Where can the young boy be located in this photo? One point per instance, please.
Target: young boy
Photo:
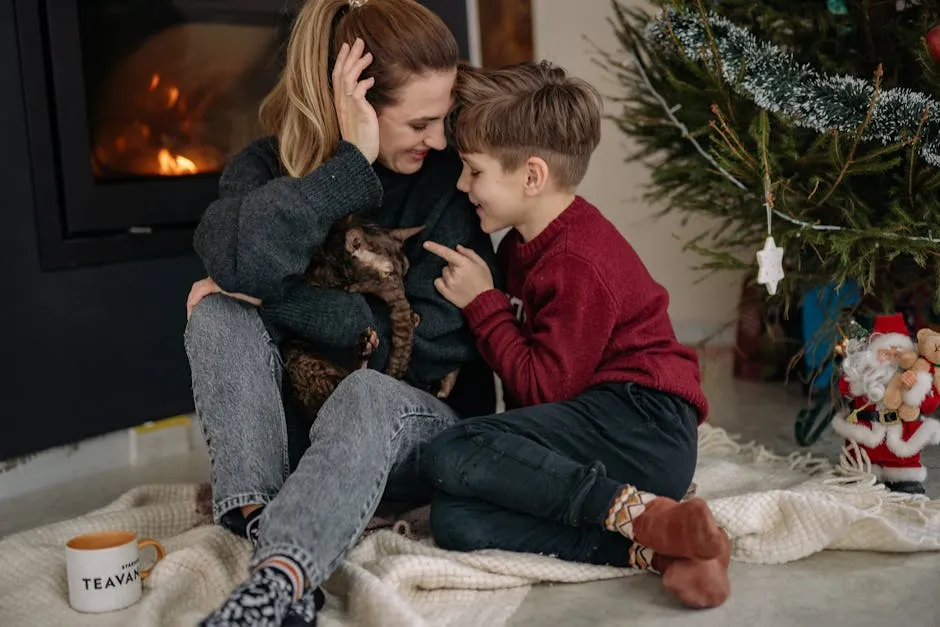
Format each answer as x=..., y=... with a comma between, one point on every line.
x=600, y=439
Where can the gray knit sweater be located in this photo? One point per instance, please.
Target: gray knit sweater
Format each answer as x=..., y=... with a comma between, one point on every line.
x=258, y=238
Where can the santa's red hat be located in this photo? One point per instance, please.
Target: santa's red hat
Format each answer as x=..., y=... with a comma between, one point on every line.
x=891, y=332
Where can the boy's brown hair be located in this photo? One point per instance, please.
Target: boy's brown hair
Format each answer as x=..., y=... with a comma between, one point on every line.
x=525, y=110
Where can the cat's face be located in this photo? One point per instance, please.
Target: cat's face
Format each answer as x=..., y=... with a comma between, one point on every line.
x=379, y=252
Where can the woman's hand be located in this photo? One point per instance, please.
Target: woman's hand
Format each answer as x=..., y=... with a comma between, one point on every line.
x=206, y=286
x=358, y=122
x=465, y=276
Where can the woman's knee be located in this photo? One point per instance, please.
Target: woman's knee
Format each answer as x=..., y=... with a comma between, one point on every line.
x=359, y=389
x=379, y=395
x=365, y=402
x=366, y=381
x=219, y=320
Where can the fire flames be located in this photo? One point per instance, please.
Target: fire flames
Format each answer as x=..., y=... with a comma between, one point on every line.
x=171, y=164
x=154, y=137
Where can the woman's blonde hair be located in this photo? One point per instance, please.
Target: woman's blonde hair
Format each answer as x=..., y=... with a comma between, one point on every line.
x=405, y=39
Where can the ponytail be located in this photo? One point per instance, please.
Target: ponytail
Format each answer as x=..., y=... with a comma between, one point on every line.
x=299, y=111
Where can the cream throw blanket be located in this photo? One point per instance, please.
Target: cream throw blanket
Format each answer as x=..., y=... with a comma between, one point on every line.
x=776, y=509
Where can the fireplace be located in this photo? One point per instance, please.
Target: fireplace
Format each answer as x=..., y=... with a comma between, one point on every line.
x=134, y=107
x=96, y=270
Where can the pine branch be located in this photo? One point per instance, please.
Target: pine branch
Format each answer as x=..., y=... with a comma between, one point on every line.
x=858, y=136
x=913, y=159
x=777, y=82
x=864, y=232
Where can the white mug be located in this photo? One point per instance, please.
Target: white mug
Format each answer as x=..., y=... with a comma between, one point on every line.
x=103, y=570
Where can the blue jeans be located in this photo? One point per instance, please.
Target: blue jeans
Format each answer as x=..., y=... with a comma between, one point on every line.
x=366, y=441
x=540, y=479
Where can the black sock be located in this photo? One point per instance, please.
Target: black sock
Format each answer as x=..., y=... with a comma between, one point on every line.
x=243, y=525
x=252, y=525
x=303, y=613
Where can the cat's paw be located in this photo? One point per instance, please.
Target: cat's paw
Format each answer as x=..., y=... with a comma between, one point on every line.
x=368, y=343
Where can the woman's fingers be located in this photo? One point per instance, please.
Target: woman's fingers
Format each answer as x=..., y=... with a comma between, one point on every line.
x=358, y=124
x=350, y=62
x=200, y=290
x=349, y=65
x=362, y=88
x=355, y=71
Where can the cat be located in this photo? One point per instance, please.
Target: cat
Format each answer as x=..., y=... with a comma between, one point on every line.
x=357, y=256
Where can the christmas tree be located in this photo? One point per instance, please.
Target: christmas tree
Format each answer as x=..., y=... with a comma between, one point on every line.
x=814, y=122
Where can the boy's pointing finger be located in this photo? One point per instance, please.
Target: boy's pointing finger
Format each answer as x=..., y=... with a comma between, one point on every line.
x=445, y=253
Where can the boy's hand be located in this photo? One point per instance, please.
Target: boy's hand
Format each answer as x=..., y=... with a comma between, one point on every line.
x=465, y=276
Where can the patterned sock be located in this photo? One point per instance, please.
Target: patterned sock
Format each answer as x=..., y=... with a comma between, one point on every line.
x=303, y=613
x=253, y=525
x=685, y=529
x=642, y=558
x=698, y=584
x=265, y=599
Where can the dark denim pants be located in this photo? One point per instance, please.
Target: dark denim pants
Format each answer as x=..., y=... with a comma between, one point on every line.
x=540, y=479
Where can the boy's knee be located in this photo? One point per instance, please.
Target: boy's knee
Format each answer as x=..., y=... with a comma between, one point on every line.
x=441, y=459
x=453, y=525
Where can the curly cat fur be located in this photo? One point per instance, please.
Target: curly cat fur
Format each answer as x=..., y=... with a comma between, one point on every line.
x=356, y=257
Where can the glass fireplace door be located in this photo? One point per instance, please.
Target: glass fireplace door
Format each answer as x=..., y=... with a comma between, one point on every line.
x=133, y=107
x=151, y=100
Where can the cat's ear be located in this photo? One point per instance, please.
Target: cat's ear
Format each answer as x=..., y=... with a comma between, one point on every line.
x=402, y=234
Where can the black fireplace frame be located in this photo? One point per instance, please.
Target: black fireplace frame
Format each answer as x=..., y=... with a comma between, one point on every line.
x=98, y=348
x=75, y=216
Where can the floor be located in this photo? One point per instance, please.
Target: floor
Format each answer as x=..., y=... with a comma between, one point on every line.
x=830, y=588
x=836, y=588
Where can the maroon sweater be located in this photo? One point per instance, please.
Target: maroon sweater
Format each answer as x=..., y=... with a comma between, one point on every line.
x=582, y=309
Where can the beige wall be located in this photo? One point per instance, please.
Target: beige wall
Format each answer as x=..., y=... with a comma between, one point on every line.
x=697, y=309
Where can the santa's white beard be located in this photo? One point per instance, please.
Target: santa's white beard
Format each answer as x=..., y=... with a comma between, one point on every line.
x=867, y=376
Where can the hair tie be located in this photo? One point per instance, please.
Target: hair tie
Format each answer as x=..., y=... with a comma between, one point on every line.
x=355, y=4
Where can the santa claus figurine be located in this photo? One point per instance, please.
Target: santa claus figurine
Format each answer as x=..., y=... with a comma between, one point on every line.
x=892, y=445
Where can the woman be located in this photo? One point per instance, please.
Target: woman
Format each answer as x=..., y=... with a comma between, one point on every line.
x=358, y=116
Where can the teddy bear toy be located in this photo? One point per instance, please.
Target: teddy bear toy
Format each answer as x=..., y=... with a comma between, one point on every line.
x=926, y=378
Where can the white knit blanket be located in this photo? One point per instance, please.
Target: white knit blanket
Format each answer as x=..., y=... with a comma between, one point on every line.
x=776, y=509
